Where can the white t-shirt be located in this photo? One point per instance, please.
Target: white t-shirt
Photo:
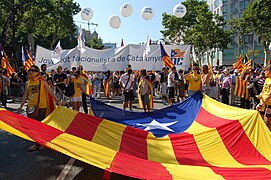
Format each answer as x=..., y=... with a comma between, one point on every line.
x=124, y=79
x=169, y=82
x=157, y=77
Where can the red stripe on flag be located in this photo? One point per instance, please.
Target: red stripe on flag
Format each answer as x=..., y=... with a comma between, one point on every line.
x=230, y=131
x=84, y=127
x=134, y=142
x=138, y=168
x=187, y=153
x=243, y=173
x=30, y=127
x=186, y=150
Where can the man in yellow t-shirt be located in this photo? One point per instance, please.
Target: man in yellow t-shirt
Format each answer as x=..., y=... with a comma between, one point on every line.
x=265, y=105
x=194, y=81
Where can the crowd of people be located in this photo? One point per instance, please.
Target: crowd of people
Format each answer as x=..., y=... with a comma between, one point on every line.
x=247, y=89
x=170, y=85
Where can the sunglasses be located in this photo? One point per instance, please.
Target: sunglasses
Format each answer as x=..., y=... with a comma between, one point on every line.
x=33, y=70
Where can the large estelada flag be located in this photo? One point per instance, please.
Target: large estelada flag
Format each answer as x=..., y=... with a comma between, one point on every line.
x=198, y=138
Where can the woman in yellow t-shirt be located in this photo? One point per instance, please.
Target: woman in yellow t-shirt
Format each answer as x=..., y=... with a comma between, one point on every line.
x=36, y=91
x=194, y=81
x=77, y=97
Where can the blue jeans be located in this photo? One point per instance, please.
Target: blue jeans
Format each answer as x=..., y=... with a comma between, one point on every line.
x=4, y=98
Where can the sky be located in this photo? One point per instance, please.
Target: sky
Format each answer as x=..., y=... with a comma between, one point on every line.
x=134, y=29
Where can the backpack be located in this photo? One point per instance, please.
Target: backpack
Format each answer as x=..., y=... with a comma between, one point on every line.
x=69, y=90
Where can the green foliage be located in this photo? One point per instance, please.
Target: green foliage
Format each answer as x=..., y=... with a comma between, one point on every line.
x=40, y=19
x=256, y=19
x=198, y=27
x=95, y=43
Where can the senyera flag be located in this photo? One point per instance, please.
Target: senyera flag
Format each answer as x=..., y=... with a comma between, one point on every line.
x=198, y=138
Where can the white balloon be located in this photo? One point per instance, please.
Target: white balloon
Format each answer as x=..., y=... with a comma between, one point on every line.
x=126, y=10
x=179, y=10
x=86, y=14
x=147, y=13
x=114, y=21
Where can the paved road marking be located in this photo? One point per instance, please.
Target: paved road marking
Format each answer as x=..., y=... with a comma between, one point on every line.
x=66, y=170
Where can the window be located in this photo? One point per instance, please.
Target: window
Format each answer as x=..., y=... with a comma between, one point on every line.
x=246, y=3
x=242, y=5
x=225, y=17
x=225, y=9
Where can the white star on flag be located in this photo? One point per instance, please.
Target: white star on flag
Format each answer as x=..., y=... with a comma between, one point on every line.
x=157, y=125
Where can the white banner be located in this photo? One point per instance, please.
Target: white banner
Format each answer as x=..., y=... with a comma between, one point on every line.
x=116, y=59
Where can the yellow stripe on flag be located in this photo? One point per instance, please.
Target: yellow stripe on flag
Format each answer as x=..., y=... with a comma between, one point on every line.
x=218, y=150
x=109, y=134
x=258, y=134
x=83, y=150
x=256, y=130
x=191, y=172
x=61, y=118
x=14, y=131
x=158, y=147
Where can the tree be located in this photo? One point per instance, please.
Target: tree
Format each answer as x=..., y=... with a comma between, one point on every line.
x=95, y=43
x=258, y=19
x=47, y=23
x=198, y=27
x=41, y=21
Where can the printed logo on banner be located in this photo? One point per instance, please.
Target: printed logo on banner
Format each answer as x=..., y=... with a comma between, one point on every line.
x=177, y=56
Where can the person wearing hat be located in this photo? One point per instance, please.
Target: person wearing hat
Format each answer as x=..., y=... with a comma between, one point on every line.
x=233, y=83
x=194, y=81
x=225, y=85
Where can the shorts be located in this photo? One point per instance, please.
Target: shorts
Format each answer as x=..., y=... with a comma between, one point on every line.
x=128, y=96
x=266, y=110
x=76, y=99
x=171, y=92
x=145, y=99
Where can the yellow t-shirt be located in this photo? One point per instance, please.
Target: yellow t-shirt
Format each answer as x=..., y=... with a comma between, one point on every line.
x=36, y=92
x=194, y=82
x=77, y=87
x=266, y=89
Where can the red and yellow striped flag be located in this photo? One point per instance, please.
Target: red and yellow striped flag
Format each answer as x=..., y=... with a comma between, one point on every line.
x=248, y=65
x=165, y=57
x=5, y=64
x=27, y=58
x=84, y=76
x=241, y=89
x=239, y=64
x=204, y=139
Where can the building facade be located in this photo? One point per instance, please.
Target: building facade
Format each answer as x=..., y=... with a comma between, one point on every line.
x=232, y=9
